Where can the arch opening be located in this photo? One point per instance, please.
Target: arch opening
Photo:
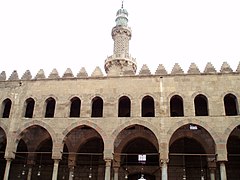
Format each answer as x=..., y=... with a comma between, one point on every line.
x=34, y=153
x=50, y=107
x=148, y=109
x=191, y=153
x=233, y=147
x=176, y=106
x=3, y=143
x=97, y=107
x=75, y=107
x=230, y=105
x=124, y=107
x=201, y=105
x=136, y=153
x=29, y=108
x=6, y=108
x=83, y=154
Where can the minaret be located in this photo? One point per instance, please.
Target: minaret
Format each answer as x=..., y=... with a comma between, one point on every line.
x=121, y=34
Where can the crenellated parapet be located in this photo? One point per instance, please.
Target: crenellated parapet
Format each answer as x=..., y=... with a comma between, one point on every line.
x=127, y=71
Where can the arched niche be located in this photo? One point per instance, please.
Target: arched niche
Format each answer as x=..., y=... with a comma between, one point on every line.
x=34, y=150
x=233, y=149
x=84, y=148
x=136, y=149
x=191, y=153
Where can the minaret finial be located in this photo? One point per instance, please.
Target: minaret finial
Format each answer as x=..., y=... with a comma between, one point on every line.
x=122, y=4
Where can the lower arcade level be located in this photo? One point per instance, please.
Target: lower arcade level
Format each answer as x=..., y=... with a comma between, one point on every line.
x=135, y=154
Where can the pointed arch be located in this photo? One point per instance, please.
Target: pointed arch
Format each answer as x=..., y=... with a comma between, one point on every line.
x=75, y=107
x=50, y=104
x=6, y=108
x=176, y=106
x=29, y=107
x=148, y=106
x=230, y=105
x=201, y=105
x=124, y=107
x=48, y=128
x=97, y=107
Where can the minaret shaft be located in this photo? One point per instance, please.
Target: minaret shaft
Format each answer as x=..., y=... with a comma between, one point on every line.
x=121, y=36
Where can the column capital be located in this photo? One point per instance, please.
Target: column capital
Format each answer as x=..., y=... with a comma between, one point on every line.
x=8, y=158
x=56, y=160
x=222, y=162
x=164, y=161
x=108, y=162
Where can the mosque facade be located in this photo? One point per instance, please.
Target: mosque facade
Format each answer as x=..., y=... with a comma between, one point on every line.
x=121, y=125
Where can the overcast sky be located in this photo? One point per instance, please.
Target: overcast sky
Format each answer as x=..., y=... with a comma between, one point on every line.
x=47, y=34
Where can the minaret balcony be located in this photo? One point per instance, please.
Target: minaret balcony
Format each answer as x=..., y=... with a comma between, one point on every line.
x=119, y=57
x=121, y=61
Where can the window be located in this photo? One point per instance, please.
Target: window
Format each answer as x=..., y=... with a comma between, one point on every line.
x=6, y=108
x=97, y=107
x=29, y=104
x=148, y=107
x=230, y=104
x=50, y=108
x=176, y=106
x=201, y=105
x=75, y=107
x=124, y=107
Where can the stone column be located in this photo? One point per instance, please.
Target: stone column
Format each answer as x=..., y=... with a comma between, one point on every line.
x=164, y=169
x=212, y=173
x=116, y=173
x=29, y=175
x=7, y=169
x=55, y=169
x=223, y=173
x=71, y=173
x=108, y=169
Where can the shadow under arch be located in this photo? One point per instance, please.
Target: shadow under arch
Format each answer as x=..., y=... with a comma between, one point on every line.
x=3, y=143
x=196, y=132
x=146, y=124
x=230, y=130
x=176, y=126
x=83, y=152
x=192, y=152
x=133, y=143
x=233, y=154
x=34, y=146
x=92, y=125
x=4, y=128
x=48, y=128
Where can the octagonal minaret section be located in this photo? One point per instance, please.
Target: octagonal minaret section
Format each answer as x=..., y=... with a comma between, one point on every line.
x=121, y=60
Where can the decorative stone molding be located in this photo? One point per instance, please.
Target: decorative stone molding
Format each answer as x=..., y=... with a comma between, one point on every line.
x=3, y=76
x=27, y=75
x=225, y=68
x=177, y=69
x=54, y=74
x=14, y=76
x=68, y=73
x=193, y=69
x=122, y=65
x=238, y=68
x=209, y=69
x=82, y=73
x=97, y=72
x=128, y=71
x=145, y=70
x=161, y=70
x=40, y=74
